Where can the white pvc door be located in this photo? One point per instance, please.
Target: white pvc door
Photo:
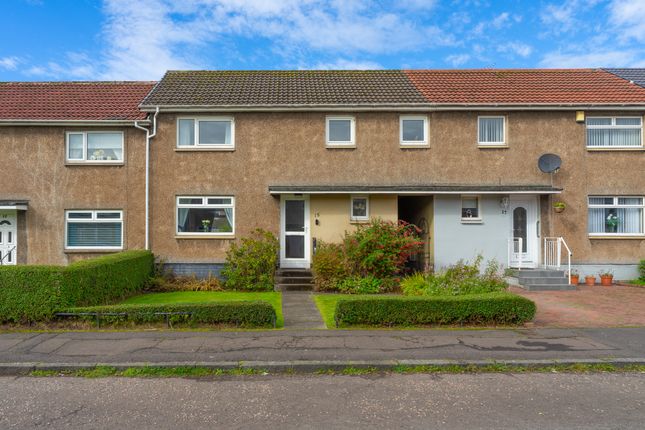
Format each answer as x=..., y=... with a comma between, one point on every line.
x=8, y=237
x=524, y=231
x=294, y=232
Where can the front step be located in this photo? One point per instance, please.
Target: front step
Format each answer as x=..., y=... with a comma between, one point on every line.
x=293, y=280
x=544, y=280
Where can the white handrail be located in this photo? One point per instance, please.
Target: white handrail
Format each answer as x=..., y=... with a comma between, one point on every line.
x=553, y=254
x=7, y=255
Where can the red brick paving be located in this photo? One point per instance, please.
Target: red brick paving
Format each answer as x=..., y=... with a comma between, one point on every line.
x=588, y=306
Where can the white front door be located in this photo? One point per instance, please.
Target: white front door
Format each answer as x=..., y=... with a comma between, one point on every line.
x=525, y=230
x=8, y=237
x=294, y=232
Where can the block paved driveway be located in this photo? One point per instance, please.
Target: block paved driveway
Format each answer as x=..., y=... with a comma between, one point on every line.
x=595, y=306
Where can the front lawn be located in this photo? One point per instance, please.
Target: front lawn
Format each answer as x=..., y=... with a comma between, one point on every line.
x=274, y=298
x=326, y=304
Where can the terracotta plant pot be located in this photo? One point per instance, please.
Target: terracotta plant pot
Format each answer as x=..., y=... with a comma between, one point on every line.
x=575, y=279
x=558, y=209
x=590, y=280
x=606, y=281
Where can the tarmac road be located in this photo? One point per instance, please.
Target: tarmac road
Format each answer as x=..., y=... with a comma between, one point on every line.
x=424, y=401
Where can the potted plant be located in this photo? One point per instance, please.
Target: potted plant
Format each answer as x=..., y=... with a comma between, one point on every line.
x=606, y=278
x=559, y=207
x=590, y=280
x=205, y=225
x=575, y=277
x=612, y=223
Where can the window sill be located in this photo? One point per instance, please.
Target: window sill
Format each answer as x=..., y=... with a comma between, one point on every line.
x=472, y=221
x=492, y=146
x=341, y=146
x=205, y=236
x=359, y=221
x=207, y=149
x=605, y=149
x=92, y=251
x=94, y=163
x=614, y=237
x=414, y=145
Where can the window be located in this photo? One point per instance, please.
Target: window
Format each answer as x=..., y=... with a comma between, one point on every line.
x=206, y=133
x=360, y=208
x=609, y=215
x=470, y=208
x=208, y=215
x=491, y=130
x=94, y=147
x=614, y=132
x=414, y=130
x=94, y=229
x=340, y=131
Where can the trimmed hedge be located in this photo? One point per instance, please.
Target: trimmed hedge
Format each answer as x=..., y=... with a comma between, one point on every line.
x=239, y=313
x=490, y=308
x=33, y=293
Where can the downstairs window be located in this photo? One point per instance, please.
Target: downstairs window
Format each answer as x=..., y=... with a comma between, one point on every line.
x=205, y=215
x=615, y=216
x=93, y=229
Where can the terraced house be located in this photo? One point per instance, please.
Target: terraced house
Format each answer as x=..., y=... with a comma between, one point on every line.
x=476, y=158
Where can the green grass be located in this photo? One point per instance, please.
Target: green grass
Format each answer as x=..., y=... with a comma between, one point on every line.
x=639, y=281
x=326, y=304
x=274, y=298
x=202, y=372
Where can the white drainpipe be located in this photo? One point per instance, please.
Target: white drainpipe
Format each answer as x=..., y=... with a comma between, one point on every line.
x=149, y=136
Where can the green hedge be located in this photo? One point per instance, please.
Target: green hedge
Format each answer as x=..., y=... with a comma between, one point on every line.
x=239, y=313
x=33, y=293
x=490, y=308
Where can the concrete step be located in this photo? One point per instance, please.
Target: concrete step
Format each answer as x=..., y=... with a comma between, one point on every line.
x=294, y=287
x=293, y=272
x=539, y=273
x=549, y=287
x=293, y=280
x=544, y=281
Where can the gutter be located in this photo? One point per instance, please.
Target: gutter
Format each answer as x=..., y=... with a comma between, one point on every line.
x=65, y=123
x=149, y=136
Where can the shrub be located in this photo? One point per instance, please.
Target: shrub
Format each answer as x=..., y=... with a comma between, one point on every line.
x=459, y=279
x=490, y=308
x=251, y=264
x=329, y=266
x=381, y=248
x=641, y=270
x=239, y=313
x=32, y=293
x=360, y=285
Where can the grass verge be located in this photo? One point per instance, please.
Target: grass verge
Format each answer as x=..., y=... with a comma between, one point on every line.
x=203, y=372
x=274, y=298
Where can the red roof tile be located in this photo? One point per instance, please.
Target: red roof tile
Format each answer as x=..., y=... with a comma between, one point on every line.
x=93, y=101
x=537, y=86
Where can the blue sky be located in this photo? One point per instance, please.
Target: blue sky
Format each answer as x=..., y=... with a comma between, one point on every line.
x=140, y=39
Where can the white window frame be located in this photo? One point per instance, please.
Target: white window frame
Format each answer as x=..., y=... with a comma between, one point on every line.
x=94, y=220
x=84, y=159
x=209, y=146
x=473, y=220
x=612, y=126
x=615, y=205
x=204, y=205
x=367, y=208
x=414, y=143
x=352, y=131
x=491, y=144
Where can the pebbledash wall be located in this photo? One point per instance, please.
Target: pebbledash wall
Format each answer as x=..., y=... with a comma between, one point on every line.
x=288, y=148
x=34, y=169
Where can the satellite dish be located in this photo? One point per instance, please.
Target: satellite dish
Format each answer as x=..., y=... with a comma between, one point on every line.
x=549, y=163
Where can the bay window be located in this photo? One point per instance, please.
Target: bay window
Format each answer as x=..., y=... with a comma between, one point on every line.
x=615, y=216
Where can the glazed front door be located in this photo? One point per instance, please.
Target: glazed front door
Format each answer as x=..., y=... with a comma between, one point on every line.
x=8, y=239
x=294, y=232
x=524, y=231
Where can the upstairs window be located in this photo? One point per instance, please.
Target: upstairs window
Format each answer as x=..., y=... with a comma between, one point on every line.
x=414, y=130
x=94, y=147
x=360, y=210
x=94, y=229
x=614, y=132
x=340, y=131
x=207, y=215
x=205, y=133
x=491, y=130
x=615, y=216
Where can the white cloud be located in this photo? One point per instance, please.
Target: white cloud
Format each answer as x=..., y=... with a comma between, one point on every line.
x=616, y=58
x=628, y=18
x=500, y=20
x=517, y=48
x=457, y=60
x=343, y=64
x=564, y=17
x=9, y=63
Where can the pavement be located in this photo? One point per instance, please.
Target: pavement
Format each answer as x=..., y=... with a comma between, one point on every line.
x=313, y=349
x=378, y=401
x=300, y=311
